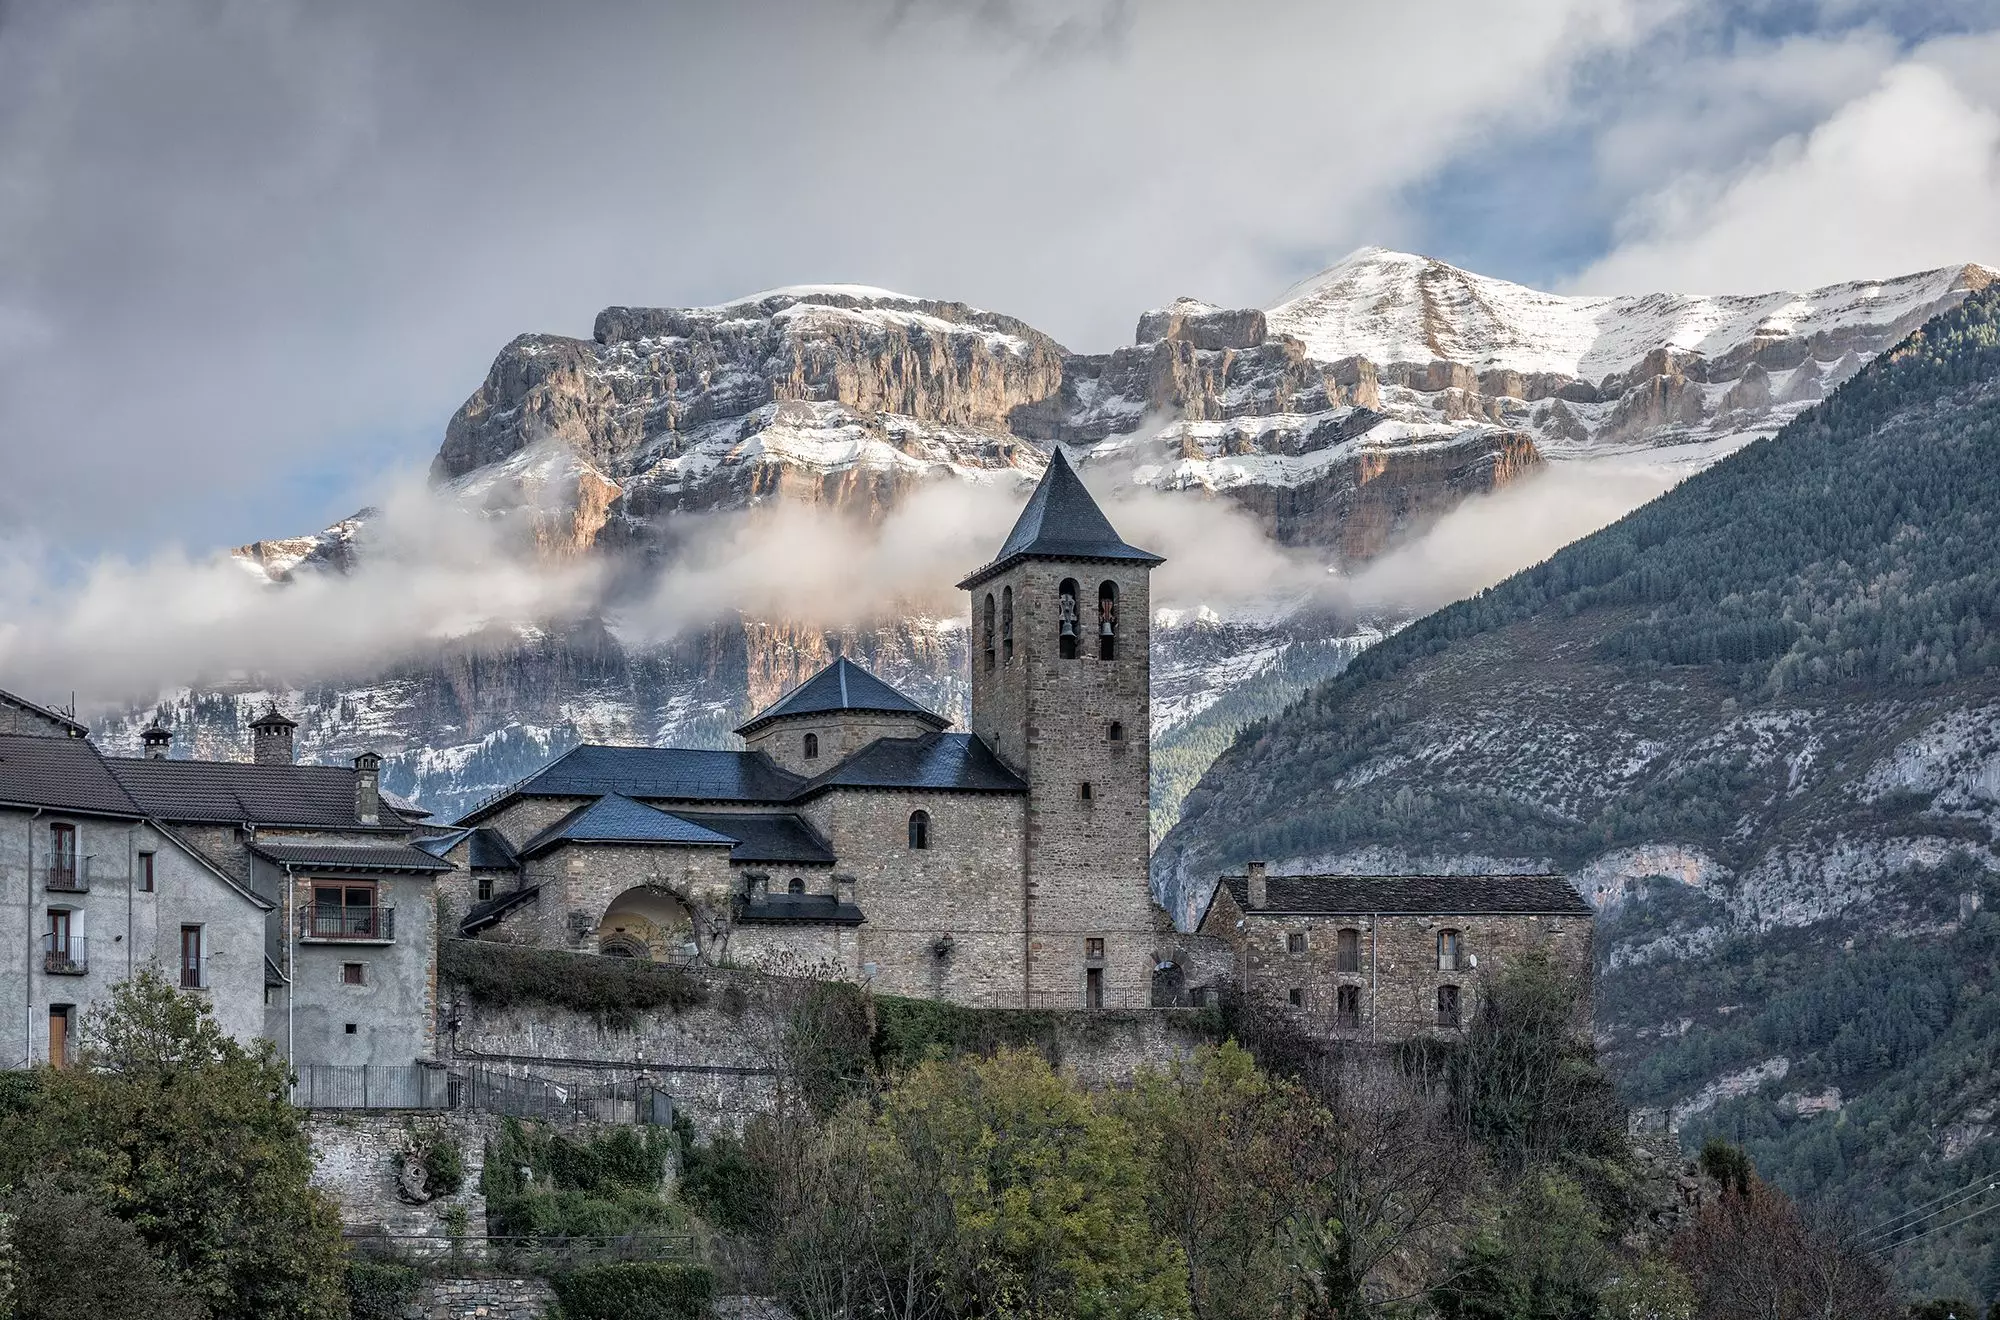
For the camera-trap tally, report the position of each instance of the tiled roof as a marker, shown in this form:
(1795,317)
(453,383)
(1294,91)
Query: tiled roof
(486,913)
(955,761)
(487,851)
(842,685)
(352,856)
(675,773)
(56,717)
(1061,521)
(765,837)
(235,791)
(793,909)
(64,773)
(1429,895)
(615,818)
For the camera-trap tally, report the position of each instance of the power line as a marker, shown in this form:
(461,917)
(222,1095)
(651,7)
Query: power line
(1916,1214)
(1938,1228)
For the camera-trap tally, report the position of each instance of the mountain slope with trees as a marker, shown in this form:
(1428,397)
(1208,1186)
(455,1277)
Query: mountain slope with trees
(1758,723)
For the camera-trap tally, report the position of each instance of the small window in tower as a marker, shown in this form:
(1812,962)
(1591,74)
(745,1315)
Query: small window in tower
(797,886)
(1295,942)
(986,630)
(1066,619)
(1007,624)
(1116,733)
(1083,791)
(1107,621)
(920,829)
(1296,998)
(812,747)
(1093,949)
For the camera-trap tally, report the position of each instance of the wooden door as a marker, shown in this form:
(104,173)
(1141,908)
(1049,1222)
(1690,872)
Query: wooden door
(58,1035)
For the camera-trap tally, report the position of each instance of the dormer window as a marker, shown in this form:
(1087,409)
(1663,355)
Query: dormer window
(811,747)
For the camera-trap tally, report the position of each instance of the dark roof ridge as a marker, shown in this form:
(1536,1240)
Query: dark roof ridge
(841,685)
(1521,893)
(1060,521)
(967,778)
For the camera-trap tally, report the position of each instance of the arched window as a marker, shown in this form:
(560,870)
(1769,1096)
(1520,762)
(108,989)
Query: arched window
(1066,620)
(1116,733)
(1007,624)
(797,886)
(1107,621)
(1347,951)
(1448,950)
(986,630)
(812,746)
(920,829)
(1448,1006)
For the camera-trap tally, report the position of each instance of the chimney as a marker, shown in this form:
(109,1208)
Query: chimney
(1260,894)
(843,889)
(368,788)
(156,739)
(271,738)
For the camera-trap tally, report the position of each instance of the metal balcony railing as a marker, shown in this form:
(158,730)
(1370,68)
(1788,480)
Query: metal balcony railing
(348,923)
(194,975)
(67,955)
(68,875)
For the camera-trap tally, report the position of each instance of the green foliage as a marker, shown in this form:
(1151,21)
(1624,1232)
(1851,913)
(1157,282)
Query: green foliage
(827,1053)
(83,1260)
(1728,1165)
(436,1148)
(910,1031)
(635,1290)
(601,1186)
(1649,1290)
(1543,1258)
(189,1138)
(380,1290)
(720,1179)
(614,992)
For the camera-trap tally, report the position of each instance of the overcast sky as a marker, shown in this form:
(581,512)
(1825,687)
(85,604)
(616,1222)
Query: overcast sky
(254,252)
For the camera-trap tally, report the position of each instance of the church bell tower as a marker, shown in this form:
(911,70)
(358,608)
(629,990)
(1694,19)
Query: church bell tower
(1060,674)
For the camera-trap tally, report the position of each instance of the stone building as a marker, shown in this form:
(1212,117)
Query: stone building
(287,895)
(1389,957)
(856,834)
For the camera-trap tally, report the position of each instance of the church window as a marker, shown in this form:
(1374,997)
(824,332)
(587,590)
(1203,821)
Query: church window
(1295,942)
(1007,624)
(920,829)
(1093,949)
(797,886)
(812,747)
(1347,1006)
(986,630)
(1448,1006)
(1448,950)
(1296,998)
(1116,733)
(1107,621)
(1066,619)
(1347,951)
(1083,790)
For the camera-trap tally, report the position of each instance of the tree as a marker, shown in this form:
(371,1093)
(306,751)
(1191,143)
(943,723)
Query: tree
(84,1260)
(1542,1258)
(191,1139)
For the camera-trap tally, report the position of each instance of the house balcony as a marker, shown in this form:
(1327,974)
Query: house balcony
(348,925)
(69,875)
(68,956)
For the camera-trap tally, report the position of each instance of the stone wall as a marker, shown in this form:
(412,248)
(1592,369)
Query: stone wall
(486,1299)
(358,1160)
(840,734)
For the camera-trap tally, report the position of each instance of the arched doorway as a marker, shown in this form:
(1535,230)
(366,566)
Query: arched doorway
(646,923)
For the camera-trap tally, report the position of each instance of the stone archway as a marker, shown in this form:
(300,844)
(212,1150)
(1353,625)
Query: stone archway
(646,922)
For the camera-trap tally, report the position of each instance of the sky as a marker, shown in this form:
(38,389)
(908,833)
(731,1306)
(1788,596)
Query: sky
(253,253)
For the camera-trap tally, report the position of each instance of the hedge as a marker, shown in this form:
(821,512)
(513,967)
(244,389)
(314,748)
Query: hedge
(615,992)
(635,1290)
(379,1290)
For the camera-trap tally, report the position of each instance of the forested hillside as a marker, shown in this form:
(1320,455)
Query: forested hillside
(1758,722)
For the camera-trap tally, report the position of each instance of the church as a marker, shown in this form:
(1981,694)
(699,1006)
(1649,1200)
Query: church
(857,835)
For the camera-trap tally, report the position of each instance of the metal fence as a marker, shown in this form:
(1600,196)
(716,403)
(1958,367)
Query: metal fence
(633,1100)
(371,1086)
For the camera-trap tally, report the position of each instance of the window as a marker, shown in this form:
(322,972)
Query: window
(1295,942)
(920,829)
(1116,733)
(797,886)
(1107,621)
(986,631)
(812,747)
(1066,621)
(191,959)
(1347,1006)
(62,857)
(351,1028)
(145,873)
(1007,624)
(1448,950)
(1093,949)
(353,974)
(483,886)
(1093,987)
(344,911)
(1296,998)
(1083,791)
(1448,1006)
(1347,951)
(64,953)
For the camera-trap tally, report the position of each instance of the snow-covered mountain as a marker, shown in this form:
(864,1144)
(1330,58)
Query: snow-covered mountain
(1364,404)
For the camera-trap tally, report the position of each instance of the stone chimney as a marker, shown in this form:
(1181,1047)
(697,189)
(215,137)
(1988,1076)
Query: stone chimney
(156,739)
(271,738)
(843,889)
(368,788)
(1260,893)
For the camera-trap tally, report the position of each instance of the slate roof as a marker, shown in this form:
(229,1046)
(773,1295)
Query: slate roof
(74,729)
(841,686)
(955,761)
(615,818)
(64,773)
(487,851)
(765,837)
(1421,895)
(230,792)
(1061,521)
(352,856)
(683,774)
(795,909)
(483,914)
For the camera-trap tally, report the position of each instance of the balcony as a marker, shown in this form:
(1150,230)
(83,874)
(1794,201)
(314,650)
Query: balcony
(67,955)
(349,925)
(68,875)
(194,975)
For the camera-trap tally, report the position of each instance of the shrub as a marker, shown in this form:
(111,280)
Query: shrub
(379,1290)
(74,1257)
(614,992)
(436,1148)
(601,1186)
(635,1290)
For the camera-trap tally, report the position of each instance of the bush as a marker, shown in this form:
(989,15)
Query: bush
(614,992)
(722,1180)
(635,1290)
(74,1257)
(379,1290)
(597,1187)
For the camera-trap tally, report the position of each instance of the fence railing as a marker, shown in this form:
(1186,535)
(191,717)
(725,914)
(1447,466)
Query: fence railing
(66,955)
(634,1100)
(369,923)
(68,875)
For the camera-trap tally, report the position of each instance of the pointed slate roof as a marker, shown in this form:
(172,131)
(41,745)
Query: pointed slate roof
(1061,521)
(842,685)
(615,818)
